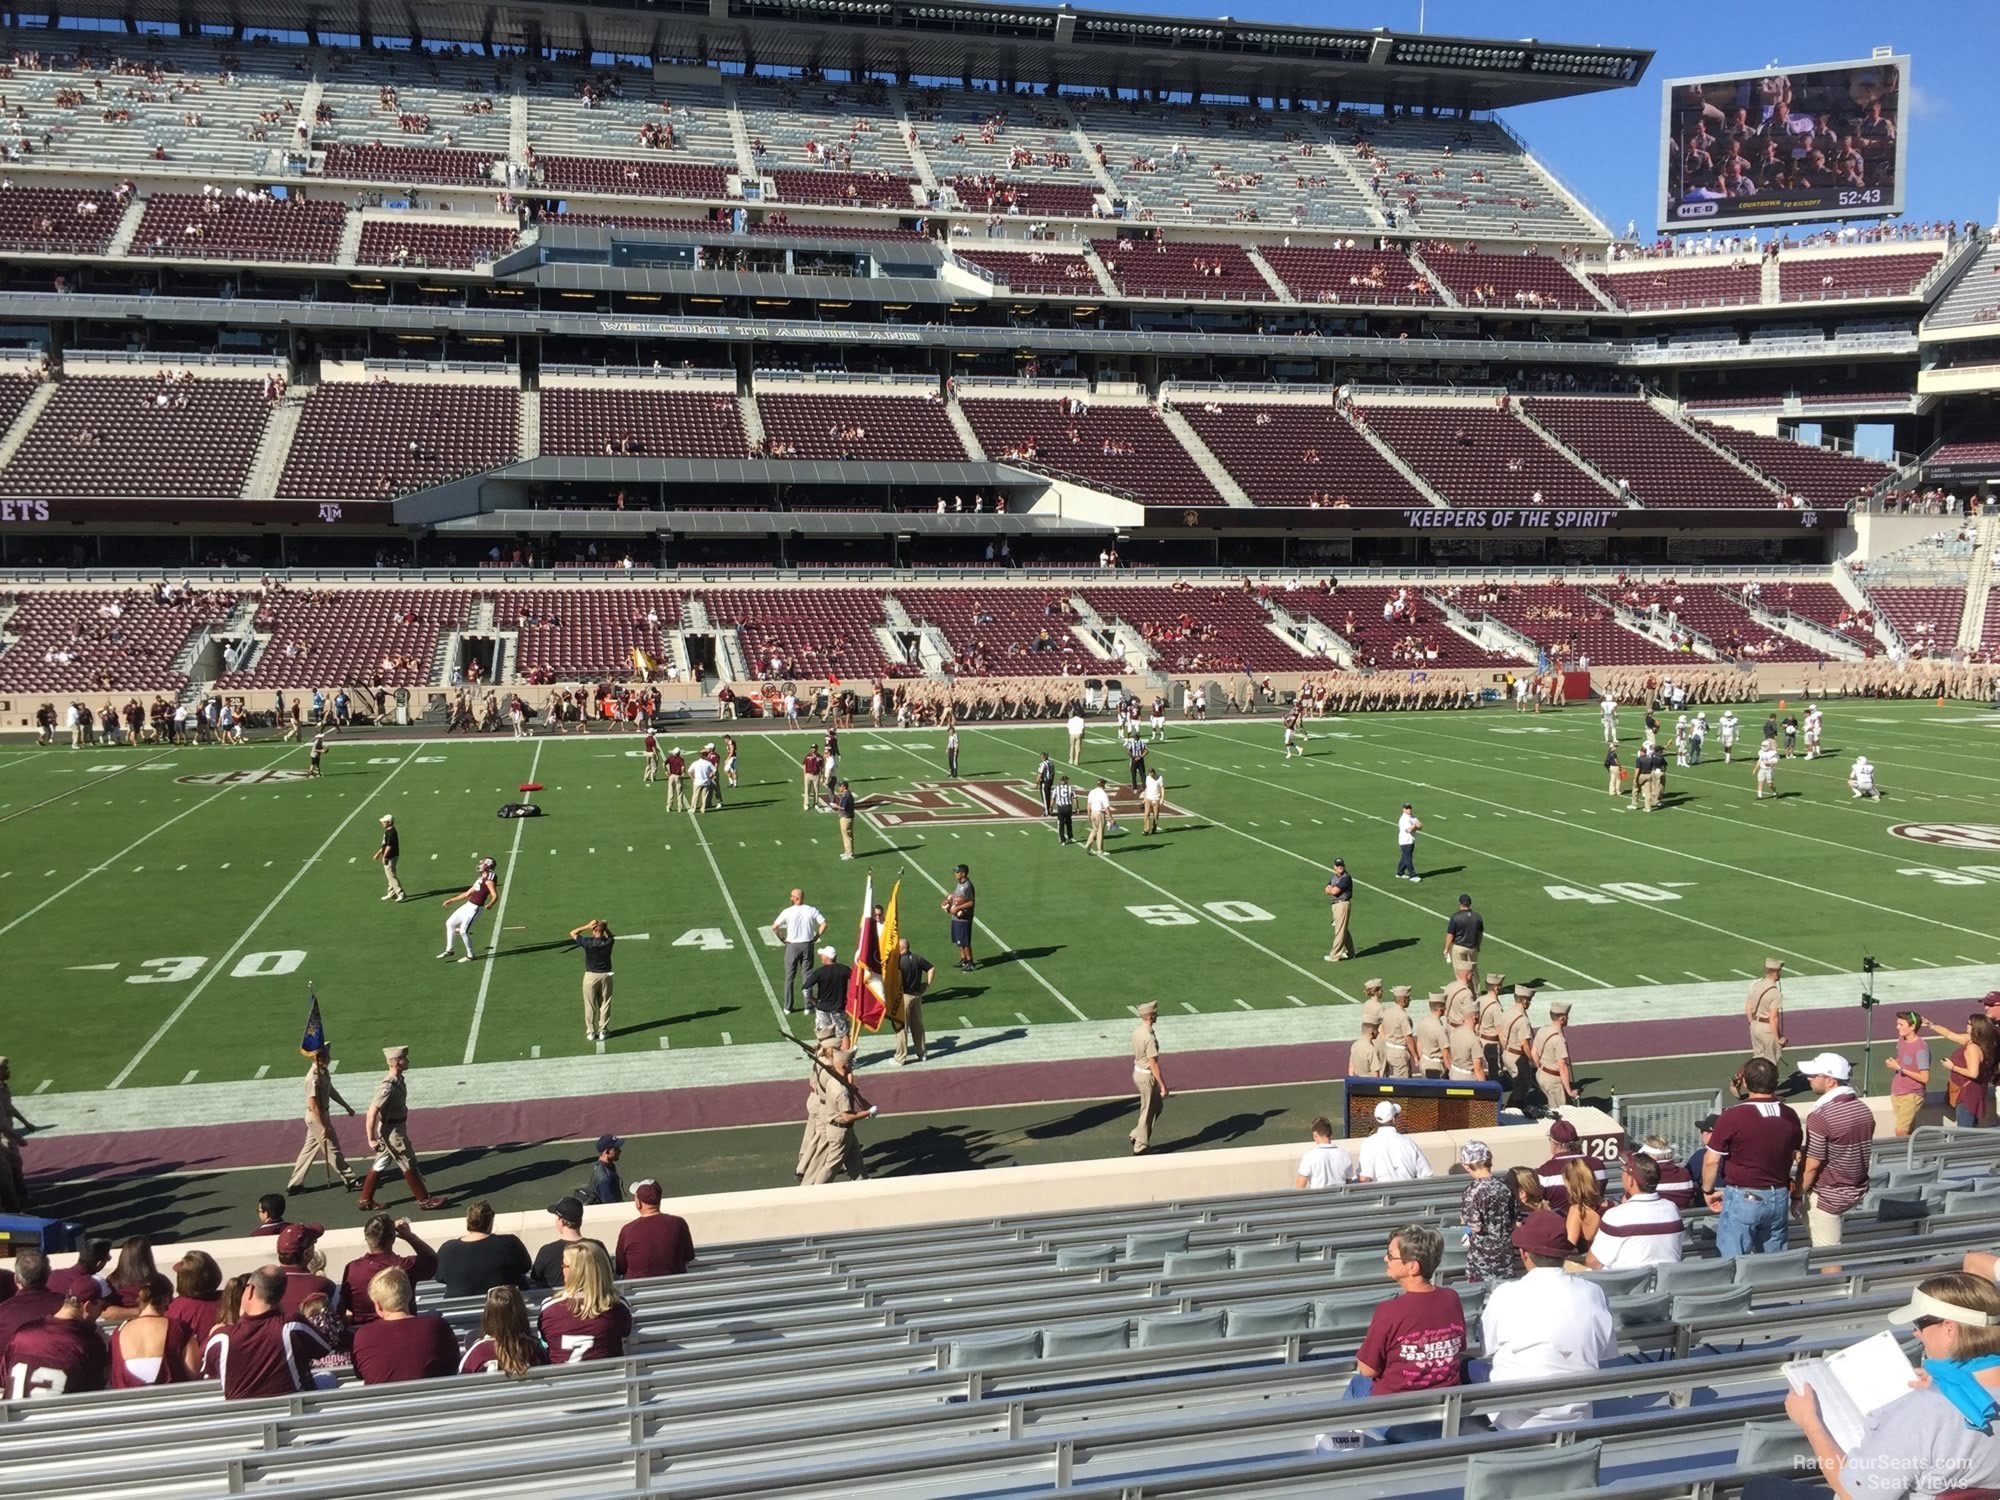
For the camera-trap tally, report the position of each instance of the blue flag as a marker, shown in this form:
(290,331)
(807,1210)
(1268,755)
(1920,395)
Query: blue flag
(315,1037)
(1541,661)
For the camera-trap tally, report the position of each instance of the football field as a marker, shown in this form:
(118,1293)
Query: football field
(162,909)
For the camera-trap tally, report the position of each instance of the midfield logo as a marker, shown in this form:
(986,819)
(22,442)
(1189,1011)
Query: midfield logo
(1983,836)
(965,802)
(241,778)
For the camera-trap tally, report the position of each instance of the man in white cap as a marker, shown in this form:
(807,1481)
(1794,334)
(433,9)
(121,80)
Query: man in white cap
(1388,1155)
(1840,1134)
(1147,1078)
(826,992)
(386,855)
(1764,1009)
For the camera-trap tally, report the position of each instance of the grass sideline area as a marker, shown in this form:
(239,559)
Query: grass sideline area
(161,909)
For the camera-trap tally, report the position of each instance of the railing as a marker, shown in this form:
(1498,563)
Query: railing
(1672,1114)
(646,372)
(774,377)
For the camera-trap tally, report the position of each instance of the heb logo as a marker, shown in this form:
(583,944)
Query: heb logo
(982,802)
(241,778)
(1697,210)
(1983,836)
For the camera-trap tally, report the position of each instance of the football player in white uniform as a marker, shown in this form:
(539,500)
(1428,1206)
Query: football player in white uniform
(1812,731)
(1861,779)
(1609,710)
(1681,740)
(1726,726)
(474,899)
(1767,770)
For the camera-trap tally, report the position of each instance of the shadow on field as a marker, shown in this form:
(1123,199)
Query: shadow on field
(491,1172)
(1021,955)
(684,1019)
(734,802)
(956,992)
(1442,871)
(1228,1128)
(1077,1121)
(934,1148)
(549,947)
(158,1203)
(1387,945)
(443,890)
(953,1046)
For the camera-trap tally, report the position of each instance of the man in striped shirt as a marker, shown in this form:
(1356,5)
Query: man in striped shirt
(1840,1131)
(1642,1229)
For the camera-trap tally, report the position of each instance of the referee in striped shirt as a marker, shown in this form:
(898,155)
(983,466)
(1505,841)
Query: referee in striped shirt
(1065,809)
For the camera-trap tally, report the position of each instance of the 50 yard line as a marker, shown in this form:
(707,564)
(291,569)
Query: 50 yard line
(237,947)
(499,915)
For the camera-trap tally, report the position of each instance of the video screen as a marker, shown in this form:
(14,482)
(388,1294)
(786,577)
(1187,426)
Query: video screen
(1784,147)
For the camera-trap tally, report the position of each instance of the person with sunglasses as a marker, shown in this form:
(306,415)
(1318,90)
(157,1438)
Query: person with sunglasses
(1938,1437)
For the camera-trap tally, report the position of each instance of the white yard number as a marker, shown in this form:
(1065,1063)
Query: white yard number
(709,939)
(1970,875)
(249,966)
(1176,916)
(259,965)
(1613,891)
(171,970)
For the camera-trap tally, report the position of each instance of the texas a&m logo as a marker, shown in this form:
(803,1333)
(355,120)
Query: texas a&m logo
(961,802)
(241,778)
(1981,836)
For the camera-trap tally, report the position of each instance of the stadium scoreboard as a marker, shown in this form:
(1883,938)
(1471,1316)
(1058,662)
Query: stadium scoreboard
(1428,1104)
(1783,145)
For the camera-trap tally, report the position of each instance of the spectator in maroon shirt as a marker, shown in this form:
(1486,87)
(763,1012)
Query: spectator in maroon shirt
(505,1342)
(379,1233)
(1416,1339)
(588,1320)
(270,1215)
(129,1278)
(62,1353)
(149,1348)
(1840,1136)
(197,1295)
(263,1352)
(1675,1184)
(655,1243)
(32,1301)
(1563,1142)
(1747,1174)
(302,1283)
(399,1343)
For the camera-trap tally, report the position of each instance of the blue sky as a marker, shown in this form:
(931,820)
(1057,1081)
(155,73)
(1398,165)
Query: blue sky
(1604,146)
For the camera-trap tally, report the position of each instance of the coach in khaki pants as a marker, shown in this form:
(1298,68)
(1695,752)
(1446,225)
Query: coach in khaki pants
(595,939)
(1147,1079)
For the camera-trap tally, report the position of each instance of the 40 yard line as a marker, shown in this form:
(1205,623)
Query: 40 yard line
(499,918)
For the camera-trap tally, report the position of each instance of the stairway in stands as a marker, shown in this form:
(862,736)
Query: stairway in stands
(1979,585)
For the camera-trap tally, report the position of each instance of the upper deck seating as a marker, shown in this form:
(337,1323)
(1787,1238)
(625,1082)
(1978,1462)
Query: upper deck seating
(1358,277)
(904,429)
(1525,283)
(135,436)
(1122,448)
(1299,455)
(1457,177)
(76,220)
(1182,269)
(585,420)
(1051,272)
(1824,278)
(1662,284)
(1477,456)
(1630,439)
(406,242)
(1822,475)
(228,228)
(384,438)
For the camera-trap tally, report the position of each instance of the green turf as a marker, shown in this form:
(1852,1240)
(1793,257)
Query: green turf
(129,866)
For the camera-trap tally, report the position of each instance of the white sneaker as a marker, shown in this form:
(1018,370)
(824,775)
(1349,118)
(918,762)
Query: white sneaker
(390,897)
(847,856)
(467,959)
(445,954)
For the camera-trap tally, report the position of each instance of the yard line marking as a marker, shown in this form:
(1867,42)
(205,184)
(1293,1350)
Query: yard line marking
(1244,1003)
(1022,1019)
(663,1044)
(1648,978)
(499,919)
(78,968)
(742,930)
(728,1040)
(1963,959)
(966,1022)
(1926,963)
(250,931)
(1742,974)
(535,1051)
(192,1074)
(99,869)
(1189,1009)
(42,1087)
(1297,1001)
(334,1066)
(1697,978)
(84,787)
(600,1045)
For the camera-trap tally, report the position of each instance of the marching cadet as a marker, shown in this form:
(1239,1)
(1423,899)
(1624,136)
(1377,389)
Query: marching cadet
(1464,1061)
(834,1106)
(322,1145)
(386,1129)
(1764,1009)
(1432,1038)
(1552,1074)
(1396,1029)
(1517,1048)
(1492,1026)
(1460,999)
(1364,1058)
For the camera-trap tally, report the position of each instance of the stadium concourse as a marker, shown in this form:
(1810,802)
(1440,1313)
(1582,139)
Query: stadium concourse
(1141,537)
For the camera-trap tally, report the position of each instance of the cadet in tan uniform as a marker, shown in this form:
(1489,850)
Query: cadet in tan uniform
(1552,1075)
(1460,999)
(1396,1055)
(1764,1009)
(1147,1078)
(321,1143)
(1493,1026)
(387,1131)
(1464,1061)
(1364,1058)
(1432,1038)
(1517,1043)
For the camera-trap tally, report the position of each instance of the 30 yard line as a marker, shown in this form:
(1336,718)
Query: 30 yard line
(237,947)
(83,787)
(742,929)
(499,919)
